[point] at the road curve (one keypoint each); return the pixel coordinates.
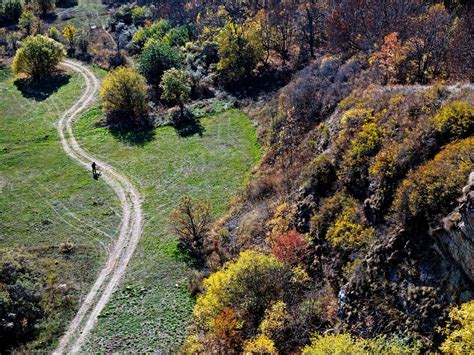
(130, 227)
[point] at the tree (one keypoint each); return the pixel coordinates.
(431, 34)
(176, 87)
(26, 21)
(42, 7)
(38, 57)
(460, 330)
(250, 284)
(239, 53)
(155, 59)
(191, 221)
(313, 19)
(389, 57)
(125, 97)
(69, 33)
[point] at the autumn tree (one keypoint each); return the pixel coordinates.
(38, 57)
(176, 87)
(389, 57)
(125, 97)
(460, 330)
(239, 52)
(191, 223)
(250, 284)
(69, 34)
(431, 34)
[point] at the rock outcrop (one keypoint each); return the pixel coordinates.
(457, 236)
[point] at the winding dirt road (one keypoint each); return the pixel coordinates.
(130, 228)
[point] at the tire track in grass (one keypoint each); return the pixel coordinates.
(130, 228)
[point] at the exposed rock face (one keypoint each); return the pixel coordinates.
(457, 237)
(407, 282)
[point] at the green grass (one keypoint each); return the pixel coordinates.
(151, 309)
(45, 198)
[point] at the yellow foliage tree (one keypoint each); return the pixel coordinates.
(256, 276)
(460, 331)
(69, 33)
(125, 97)
(38, 57)
(260, 345)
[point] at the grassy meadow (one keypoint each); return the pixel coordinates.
(151, 309)
(45, 198)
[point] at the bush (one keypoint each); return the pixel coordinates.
(291, 248)
(431, 190)
(155, 59)
(178, 36)
(20, 299)
(345, 344)
(54, 33)
(328, 213)
(320, 175)
(349, 230)
(191, 223)
(10, 12)
(38, 57)
(260, 345)
(275, 320)
(125, 97)
(26, 22)
(460, 330)
(456, 119)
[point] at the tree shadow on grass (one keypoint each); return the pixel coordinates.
(41, 90)
(187, 125)
(138, 136)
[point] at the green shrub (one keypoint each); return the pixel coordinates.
(10, 12)
(178, 36)
(154, 32)
(432, 189)
(455, 119)
(157, 58)
(320, 174)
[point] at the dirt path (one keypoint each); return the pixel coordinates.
(130, 228)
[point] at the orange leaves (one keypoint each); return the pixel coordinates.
(291, 247)
(225, 327)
